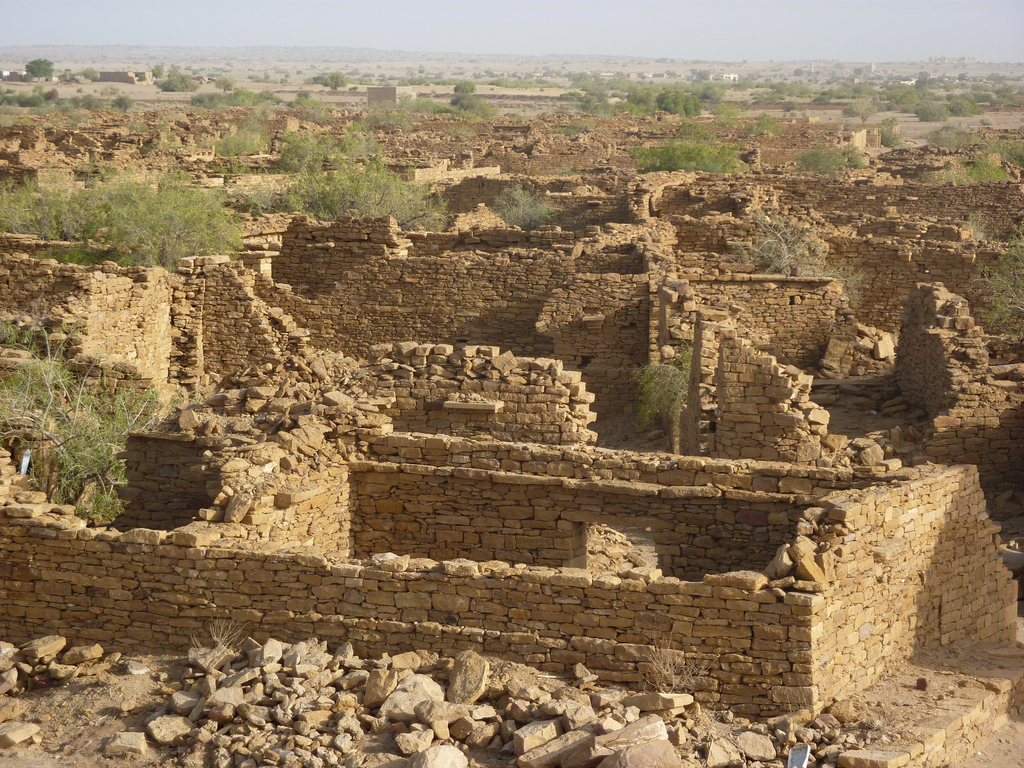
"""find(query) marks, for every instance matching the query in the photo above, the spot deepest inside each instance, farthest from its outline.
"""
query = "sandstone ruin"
(394, 443)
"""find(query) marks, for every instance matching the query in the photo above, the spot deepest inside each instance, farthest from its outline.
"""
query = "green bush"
(781, 248)
(932, 112)
(689, 155)
(131, 222)
(519, 208)
(355, 190)
(179, 82)
(663, 393)
(890, 133)
(1004, 286)
(829, 161)
(765, 125)
(76, 434)
(970, 172)
(239, 97)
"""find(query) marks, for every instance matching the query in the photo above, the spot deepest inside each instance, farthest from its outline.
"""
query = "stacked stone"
(477, 390)
(975, 403)
(280, 438)
(764, 409)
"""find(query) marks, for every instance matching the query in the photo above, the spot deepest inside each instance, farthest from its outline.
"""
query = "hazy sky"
(722, 30)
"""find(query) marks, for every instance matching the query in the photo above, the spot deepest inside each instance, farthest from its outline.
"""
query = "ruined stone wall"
(976, 404)
(764, 411)
(891, 255)
(769, 648)
(921, 571)
(156, 590)
(477, 390)
(792, 317)
(711, 478)
(483, 514)
(578, 204)
(121, 313)
(364, 288)
(599, 326)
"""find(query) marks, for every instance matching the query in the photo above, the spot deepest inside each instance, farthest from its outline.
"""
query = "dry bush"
(668, 670)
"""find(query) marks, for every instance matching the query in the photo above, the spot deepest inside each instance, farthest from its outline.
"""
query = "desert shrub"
(890, 133)
(829, 161)
(239, 97)
(963, 106)
(1003, 285)
(765, 125)
(179, 82)
(155, 225)
(518, 207)
(131, 222)
(51, 214)
(1010, 151)
(967, 172)
(932, 112)
(781, 248)
(954, 136)
(76, 434)
(122, 103)
(663, 390)
(689, 155)
(355, 190)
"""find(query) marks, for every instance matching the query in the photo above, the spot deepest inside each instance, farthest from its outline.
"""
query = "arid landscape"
(371, 409)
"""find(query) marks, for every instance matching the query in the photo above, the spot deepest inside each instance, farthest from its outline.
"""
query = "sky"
(714, 30)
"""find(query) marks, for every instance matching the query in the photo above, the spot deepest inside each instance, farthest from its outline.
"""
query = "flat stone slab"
(873, 758)
(12, 734)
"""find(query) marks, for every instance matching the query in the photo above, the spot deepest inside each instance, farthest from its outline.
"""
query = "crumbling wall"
(764, 409)
(976, 404)
(803, 641)
(483, 514)
(476, 390)
(121, 315)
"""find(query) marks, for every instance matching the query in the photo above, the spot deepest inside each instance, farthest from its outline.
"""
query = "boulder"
(379, 685)
(414, 742)
(169, 730)
(82, 653)
(653, 754)
(439, 756)
(468, 679)
(721, 753)
(756, 746)
(533, 735)
(14, 733)
(400, 706)
(42, 648)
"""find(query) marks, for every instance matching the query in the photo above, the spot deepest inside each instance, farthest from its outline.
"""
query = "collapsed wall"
(975, 402)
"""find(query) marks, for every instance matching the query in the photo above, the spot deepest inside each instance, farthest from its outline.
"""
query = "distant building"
(13, 77)
(128, 78)
(729, 77)
(386, 95)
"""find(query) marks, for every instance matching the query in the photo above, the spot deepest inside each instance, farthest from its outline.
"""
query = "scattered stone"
(82, 653)
(128, 743)
(14, 733)
(440, 756)
(43, 648)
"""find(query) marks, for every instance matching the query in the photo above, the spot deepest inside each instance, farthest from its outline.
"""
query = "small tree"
(158, 71)
(663, 391)
(90, 74)
(40, 68)
(333, 80)
(829, 161)
(225, 83)
(861, 108)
